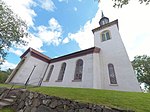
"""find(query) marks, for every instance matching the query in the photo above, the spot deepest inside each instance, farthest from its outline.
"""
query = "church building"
(104, 66)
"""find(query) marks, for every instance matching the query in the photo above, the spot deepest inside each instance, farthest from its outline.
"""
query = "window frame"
(61, 72)
(104, 36)
(49, 73)
(78, 70)
(112, 74)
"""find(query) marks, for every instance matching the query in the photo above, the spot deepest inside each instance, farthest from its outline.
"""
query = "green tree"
(9, 71)
(4, 75)
(120, 3)
(12, 30)
(141, 65)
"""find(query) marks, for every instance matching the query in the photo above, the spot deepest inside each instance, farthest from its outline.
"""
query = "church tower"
(116, 72)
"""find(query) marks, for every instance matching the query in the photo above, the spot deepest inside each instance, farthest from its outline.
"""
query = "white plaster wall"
(38, 71)
(19, 76)
(113, 51)
(87, 76)
(26, 69)
(97, 77)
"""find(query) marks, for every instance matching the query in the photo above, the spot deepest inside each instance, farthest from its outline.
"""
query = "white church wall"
(87, 76)
(38, 71)
(97, 82)
(19, 76)
(113, 51)
(24, 72)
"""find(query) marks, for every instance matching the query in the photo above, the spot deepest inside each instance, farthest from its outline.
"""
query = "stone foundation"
(27, 101)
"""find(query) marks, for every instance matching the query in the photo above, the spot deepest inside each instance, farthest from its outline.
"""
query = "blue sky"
(59, 27)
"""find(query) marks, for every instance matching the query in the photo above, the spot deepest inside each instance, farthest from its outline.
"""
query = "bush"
(3, 76)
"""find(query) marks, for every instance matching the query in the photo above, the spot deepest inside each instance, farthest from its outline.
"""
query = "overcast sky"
(59, 27)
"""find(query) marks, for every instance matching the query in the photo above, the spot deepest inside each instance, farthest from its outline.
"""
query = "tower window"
(50, 72)
(78, 70)
(112, 75)
(105, 35)
(62, 71)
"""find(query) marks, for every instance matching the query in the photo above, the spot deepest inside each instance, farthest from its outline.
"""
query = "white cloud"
(75, 8)
(54, 25)
(84, 37)
(52, 33)
(47, 5)
(34, 42)
(63, 1)
(67, 1)
(23, 9)
(6, 65)
(17, 52)
(65, 41)
(140, 46)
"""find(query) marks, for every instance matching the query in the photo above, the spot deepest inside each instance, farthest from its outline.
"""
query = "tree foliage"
(12, 29)
(4, 75)
(120, 3)
(141, 65)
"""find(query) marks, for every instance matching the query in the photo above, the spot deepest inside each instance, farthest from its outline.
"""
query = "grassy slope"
(140, 102)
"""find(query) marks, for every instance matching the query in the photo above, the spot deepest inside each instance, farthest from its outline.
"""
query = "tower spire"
(104, 20)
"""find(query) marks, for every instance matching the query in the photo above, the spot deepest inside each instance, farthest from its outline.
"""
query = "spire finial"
(102, 14)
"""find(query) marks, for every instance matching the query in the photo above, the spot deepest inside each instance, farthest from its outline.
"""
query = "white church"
(104, 66)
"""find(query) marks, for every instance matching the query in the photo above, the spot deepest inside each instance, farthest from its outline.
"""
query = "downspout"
(30, 75)
(41, 80)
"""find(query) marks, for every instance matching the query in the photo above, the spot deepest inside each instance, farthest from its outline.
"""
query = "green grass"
(9, 86)
(140, 102)
(7, 110)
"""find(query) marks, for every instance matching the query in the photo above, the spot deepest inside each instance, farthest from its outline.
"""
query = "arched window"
(105, 35)
(62, 71)
(78, 70)
(112, 75)
(50, 72)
